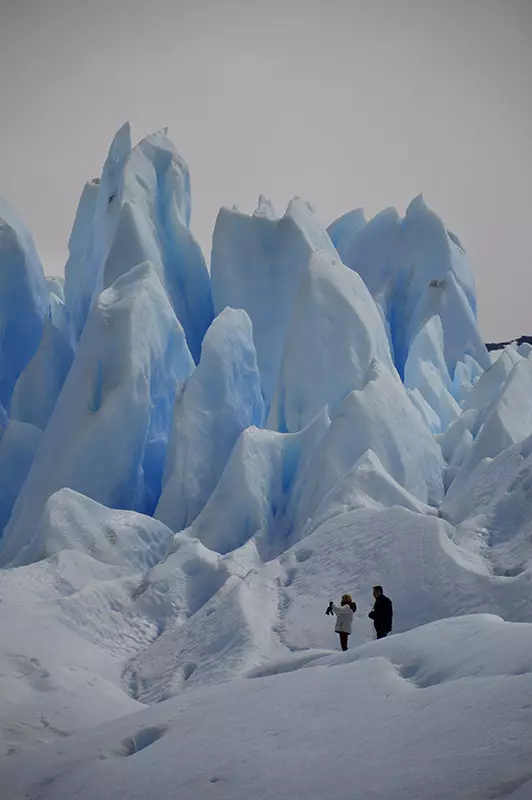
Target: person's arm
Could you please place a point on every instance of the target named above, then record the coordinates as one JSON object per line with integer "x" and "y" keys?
{"x": 342, "y": 611}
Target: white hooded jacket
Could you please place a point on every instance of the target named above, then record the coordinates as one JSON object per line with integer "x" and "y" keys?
{"x": 344, "y": 618}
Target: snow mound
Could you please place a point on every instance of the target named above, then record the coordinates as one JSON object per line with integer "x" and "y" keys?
{"x": 61, "y": 660}
{"x": 122, "y": 538}
{"x": 230, "y": 634}
{"x": 355, "y": 550}
{"x": 367, "y": 485}
{"x": 430, "y": 660}
{"x": 163, "y": 750}
{"x": 178, "y": 587}
{"x": 348, "y": 551}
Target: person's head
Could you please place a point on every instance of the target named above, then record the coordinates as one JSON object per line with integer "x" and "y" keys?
{"x": 377, "y": 591}
{"x": 346, "y": 599}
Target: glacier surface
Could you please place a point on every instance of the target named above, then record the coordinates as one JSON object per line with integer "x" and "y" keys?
{"x": 216, "y": 404}
{"x": 108, "y": 433}
{"x": 23, "y": 300}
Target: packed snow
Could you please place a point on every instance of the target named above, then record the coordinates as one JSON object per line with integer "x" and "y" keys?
{"x": 194, "y": 464}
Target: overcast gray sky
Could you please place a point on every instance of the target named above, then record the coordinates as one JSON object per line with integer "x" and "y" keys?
{"x": 345, "y": 102}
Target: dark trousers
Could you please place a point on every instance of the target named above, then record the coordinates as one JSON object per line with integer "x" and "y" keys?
{"x": 381, "y": 634}
{"x": 343, "y": 639}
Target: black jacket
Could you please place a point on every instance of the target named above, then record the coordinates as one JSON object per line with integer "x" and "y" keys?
{"x": 382, "y": 614}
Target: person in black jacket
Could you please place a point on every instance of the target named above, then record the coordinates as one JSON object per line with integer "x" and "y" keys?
{"x": 382, "y": 613}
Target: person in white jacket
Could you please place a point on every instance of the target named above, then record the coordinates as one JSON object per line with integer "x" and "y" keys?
{"x": 344, "y": 618}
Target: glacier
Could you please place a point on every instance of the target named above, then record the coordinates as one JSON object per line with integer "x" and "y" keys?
{"x": 334, "y": 318}
{"x": 120, "y": 389}
{"x": 37, "y": 390}
{"x": 195, "y": 460}
{"x": 414, "y": 268}
{"x": 23, "y": 300}
{"x": 426, "y": 372}
{"x": 220, "y": 400}
{"x": 18, "y": 444}
{"x": 70, "y": 520}
{"x": 139, "y": 210}
{"x": 256, "y": 264}
{"x": 94, "y": 225}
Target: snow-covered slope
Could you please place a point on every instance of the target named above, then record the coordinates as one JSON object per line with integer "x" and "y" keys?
{"x": 192, "y": 466}
{"x": 393, "y": 719}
